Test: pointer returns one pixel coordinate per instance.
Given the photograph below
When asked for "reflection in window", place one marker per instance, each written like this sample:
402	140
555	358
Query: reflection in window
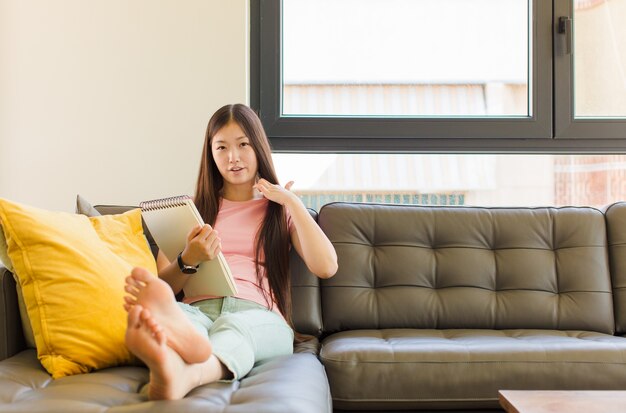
406	57
600	58
483	180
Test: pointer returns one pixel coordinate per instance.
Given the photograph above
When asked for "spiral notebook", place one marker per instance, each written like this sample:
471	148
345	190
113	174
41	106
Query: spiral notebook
169	221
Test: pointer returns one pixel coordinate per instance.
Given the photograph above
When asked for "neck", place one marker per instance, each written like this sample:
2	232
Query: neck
239	193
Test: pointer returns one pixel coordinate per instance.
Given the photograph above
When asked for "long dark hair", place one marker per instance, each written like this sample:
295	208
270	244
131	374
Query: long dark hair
272	241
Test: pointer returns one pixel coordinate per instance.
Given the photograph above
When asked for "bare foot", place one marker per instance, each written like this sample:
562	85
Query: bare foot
170	377
156	295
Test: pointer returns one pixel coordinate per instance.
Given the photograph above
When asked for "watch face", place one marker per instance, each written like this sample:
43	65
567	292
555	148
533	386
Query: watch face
185	269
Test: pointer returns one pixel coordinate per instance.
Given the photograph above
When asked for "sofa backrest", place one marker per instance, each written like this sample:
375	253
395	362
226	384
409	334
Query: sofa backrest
465	267
11	338
616	234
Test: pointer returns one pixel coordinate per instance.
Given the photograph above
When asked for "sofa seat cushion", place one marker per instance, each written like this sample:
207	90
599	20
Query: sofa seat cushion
411	368
287	384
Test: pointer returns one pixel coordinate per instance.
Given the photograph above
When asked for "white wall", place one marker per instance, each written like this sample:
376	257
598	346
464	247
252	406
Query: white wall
110	98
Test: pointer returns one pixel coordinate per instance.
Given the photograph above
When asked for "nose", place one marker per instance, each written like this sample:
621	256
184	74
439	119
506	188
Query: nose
233	156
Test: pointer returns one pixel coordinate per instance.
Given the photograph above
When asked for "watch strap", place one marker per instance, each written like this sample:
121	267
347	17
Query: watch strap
184	268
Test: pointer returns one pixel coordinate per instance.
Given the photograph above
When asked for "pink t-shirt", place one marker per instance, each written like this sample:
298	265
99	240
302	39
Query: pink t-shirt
237	224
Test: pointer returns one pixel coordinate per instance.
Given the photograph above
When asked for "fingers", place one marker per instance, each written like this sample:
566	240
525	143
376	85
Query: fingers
215	247
264	185
204	246
202	235
207	232
264	188
211	245
258	186
194	232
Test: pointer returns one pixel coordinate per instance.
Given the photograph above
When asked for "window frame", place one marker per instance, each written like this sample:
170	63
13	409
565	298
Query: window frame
422	135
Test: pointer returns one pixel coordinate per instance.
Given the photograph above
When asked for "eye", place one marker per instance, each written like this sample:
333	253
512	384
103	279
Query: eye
220	148
243	144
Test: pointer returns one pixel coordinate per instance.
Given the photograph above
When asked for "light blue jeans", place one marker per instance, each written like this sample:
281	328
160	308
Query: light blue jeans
242	332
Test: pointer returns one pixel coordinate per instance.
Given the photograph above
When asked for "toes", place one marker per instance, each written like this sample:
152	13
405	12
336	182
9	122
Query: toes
156	330
135	283
160	337
129	303
134	319
153	326
146	314
149	322
131	290
141	275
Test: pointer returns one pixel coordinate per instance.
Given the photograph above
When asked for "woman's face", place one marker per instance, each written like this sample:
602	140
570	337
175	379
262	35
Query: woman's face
234	156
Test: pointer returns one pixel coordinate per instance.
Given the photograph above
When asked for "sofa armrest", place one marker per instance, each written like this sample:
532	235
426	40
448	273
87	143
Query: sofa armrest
11	335
305	295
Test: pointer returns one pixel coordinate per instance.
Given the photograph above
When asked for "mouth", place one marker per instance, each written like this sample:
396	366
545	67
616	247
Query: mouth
236	169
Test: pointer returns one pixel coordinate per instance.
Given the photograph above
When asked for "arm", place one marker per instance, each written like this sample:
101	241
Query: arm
307	237
169	272
203	244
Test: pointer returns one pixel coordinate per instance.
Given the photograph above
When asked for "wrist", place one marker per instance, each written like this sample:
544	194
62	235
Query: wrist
293	201
187	260
184	267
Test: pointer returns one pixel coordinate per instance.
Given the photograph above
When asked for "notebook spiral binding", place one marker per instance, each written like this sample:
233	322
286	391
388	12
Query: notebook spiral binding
164	203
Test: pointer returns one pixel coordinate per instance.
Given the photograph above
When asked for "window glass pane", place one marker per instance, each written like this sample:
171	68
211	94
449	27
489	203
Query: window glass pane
600	58
484	180
415	58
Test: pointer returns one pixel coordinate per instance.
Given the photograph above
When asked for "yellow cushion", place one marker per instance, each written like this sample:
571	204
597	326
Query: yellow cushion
71	270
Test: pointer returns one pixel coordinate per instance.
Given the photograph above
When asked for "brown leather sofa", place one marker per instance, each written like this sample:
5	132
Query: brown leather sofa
433	308
297	383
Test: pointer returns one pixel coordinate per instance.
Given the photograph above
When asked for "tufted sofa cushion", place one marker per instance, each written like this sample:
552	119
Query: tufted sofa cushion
421	369
290	384
463	267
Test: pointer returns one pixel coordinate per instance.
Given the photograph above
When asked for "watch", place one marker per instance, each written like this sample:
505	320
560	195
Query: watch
184	268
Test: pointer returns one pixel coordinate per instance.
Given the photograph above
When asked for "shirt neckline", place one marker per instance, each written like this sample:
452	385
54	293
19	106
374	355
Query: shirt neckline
243	202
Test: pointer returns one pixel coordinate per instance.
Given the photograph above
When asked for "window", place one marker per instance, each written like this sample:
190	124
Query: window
456	179
334	66
445	102
435	76
413	69
590	67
